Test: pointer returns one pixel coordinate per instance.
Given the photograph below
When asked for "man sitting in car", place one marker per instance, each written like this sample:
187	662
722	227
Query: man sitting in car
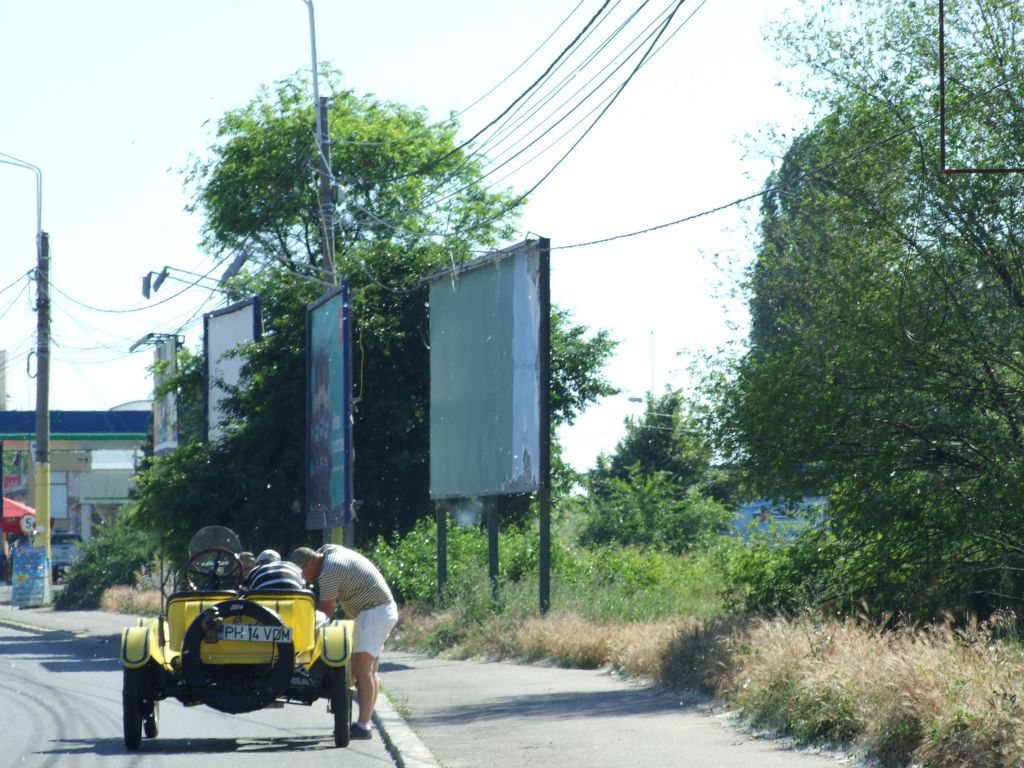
271	573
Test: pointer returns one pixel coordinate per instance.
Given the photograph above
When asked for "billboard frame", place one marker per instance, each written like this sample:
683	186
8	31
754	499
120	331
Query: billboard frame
257	327
338	515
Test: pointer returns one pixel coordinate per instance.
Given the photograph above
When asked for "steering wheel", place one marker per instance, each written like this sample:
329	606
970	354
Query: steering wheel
214	568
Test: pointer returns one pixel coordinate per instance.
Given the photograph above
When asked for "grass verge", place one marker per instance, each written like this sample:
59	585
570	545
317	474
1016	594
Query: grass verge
935	696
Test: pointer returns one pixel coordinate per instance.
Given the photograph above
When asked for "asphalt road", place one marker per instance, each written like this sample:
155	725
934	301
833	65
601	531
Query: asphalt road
60	705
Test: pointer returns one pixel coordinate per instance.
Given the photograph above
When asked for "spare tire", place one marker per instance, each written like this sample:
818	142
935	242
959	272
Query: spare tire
242	688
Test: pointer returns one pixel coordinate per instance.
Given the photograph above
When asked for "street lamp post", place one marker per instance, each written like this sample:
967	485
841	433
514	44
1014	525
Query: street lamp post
42	458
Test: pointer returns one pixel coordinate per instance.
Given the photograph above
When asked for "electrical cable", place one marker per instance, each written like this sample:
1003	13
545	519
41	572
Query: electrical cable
776	187
455	116
493	142
141	307
434	163
653	49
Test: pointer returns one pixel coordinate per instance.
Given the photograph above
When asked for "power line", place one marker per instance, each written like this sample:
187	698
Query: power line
520	97
455	116
783	185
662	22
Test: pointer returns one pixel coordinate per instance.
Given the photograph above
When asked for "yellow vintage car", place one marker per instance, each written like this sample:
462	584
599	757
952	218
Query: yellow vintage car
237	652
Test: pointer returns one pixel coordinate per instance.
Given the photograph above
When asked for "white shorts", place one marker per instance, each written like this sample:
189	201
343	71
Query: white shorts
373	627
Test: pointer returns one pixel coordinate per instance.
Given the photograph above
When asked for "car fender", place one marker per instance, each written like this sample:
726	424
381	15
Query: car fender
136	646
337	647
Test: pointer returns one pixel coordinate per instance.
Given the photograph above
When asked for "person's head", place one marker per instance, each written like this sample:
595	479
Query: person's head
267	556
309	561
248	561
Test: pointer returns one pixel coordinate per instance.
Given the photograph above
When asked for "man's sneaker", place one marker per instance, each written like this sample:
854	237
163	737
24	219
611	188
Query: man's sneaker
357	731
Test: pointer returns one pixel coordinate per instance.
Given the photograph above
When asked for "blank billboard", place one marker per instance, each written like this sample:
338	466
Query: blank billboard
485	418
223	331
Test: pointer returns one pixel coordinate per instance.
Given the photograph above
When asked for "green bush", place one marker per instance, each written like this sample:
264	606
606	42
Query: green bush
409	563
771	576
651	510
603	583
114	556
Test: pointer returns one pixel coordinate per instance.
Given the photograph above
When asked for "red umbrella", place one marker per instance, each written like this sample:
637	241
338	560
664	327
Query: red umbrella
17	518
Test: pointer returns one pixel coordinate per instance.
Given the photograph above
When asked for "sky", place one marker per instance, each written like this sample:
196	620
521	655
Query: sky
110	99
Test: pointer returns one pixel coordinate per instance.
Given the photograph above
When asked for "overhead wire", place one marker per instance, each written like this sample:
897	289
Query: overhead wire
853	154
468	159
633	48
436	161
456	115
549	124
509	124
14	300
603	105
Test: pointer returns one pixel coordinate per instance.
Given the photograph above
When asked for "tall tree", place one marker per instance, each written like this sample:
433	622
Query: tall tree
411	203
887	306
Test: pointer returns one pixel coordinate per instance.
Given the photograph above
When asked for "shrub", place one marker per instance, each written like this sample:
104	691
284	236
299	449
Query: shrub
115	556
651	511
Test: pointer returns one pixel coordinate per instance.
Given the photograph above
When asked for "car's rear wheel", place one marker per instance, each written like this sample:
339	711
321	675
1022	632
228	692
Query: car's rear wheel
341	706
131	704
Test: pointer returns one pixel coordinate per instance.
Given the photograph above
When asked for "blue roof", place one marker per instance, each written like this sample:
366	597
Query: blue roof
19	424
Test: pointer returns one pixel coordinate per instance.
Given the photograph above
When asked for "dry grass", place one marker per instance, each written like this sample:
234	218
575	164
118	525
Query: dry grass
935	696
130	600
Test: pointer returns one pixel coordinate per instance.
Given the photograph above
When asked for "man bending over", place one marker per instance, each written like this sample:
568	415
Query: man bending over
347	578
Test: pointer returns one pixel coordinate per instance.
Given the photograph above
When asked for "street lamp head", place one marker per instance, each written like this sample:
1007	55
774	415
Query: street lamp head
149	285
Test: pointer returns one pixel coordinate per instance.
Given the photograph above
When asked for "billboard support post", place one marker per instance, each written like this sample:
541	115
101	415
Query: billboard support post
544	408
441	512
491	505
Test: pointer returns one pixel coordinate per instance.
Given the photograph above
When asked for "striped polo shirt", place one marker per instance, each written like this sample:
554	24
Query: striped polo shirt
278	575
352	579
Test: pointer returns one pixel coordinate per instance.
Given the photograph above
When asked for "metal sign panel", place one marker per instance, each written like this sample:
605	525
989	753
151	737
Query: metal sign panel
485	418
328	412
223	331
165	409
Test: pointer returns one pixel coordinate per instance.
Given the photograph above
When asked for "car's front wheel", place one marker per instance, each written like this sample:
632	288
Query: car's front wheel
131	704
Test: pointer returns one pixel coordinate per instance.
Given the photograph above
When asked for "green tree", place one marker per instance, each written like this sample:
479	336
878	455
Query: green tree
664	439
657	489
412	203
651	510
887	305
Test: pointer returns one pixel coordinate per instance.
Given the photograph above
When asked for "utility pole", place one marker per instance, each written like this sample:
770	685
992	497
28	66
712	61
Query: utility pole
42	459
326	194
327	200
323	151
42	468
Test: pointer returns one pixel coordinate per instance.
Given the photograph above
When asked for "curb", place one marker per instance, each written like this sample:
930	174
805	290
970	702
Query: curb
401	742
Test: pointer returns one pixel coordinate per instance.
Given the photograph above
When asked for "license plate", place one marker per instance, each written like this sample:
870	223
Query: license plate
255	633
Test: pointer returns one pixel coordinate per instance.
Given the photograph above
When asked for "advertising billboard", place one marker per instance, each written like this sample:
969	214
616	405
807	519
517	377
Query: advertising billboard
165	409
328	412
